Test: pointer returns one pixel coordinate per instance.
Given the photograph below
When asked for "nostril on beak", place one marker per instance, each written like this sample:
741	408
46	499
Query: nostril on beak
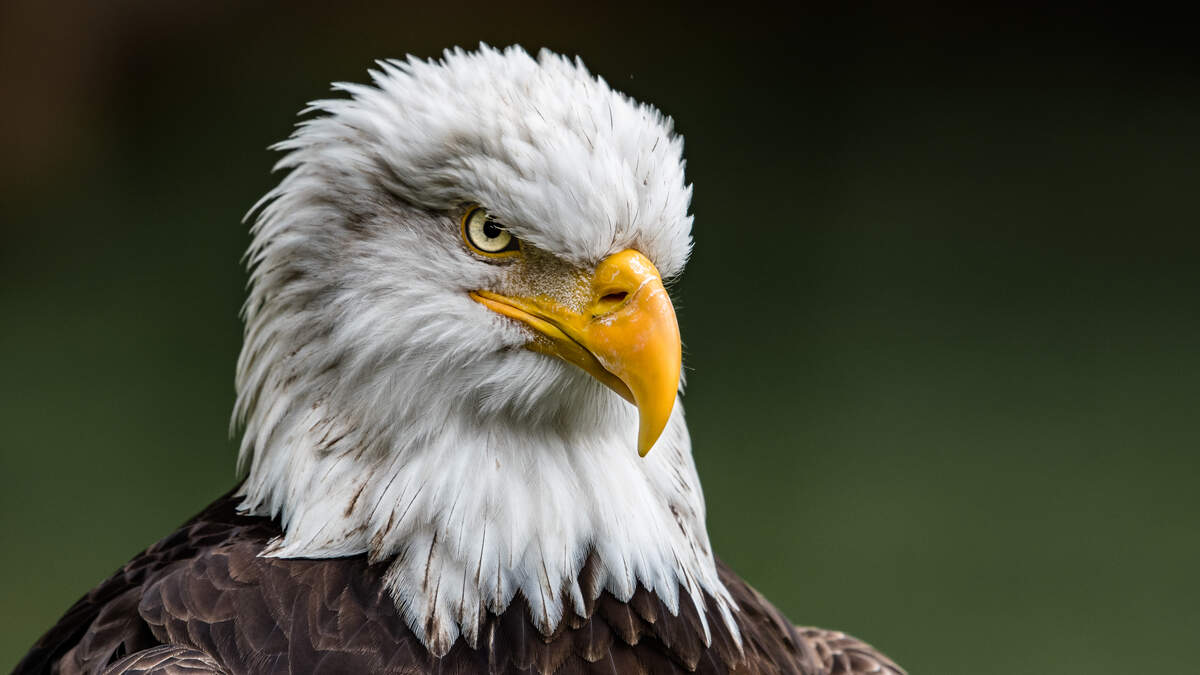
609	302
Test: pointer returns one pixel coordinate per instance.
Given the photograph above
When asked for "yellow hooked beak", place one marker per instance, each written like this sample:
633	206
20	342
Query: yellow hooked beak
625	335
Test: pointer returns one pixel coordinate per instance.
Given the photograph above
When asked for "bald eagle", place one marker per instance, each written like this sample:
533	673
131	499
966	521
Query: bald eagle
463	446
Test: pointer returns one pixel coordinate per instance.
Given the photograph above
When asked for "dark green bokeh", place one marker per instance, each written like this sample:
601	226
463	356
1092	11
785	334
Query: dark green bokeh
941	322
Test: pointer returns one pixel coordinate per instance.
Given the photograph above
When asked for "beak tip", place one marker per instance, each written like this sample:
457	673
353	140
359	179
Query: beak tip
649	431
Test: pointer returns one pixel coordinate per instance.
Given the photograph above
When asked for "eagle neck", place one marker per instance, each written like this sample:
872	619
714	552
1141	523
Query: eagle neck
470	515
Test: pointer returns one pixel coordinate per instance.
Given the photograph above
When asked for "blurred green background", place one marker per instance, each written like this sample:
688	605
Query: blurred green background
941	323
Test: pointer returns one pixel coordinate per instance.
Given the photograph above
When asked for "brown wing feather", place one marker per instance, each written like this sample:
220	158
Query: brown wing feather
166	660
103	625
204	595
841	654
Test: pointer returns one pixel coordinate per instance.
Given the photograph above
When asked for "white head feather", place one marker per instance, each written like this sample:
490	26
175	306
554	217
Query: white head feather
386	412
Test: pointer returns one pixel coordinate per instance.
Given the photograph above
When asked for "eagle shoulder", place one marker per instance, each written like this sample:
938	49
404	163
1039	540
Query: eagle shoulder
103	626
770	638
204	600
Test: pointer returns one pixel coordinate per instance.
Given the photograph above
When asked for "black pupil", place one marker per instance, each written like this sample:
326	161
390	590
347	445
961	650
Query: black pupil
491	230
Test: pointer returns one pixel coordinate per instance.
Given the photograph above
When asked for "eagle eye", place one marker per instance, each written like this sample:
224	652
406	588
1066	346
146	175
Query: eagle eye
487	237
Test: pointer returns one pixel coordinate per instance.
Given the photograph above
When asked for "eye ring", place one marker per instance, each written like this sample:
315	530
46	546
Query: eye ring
485	236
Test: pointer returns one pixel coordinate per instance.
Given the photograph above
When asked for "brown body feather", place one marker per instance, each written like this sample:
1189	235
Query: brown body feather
203	601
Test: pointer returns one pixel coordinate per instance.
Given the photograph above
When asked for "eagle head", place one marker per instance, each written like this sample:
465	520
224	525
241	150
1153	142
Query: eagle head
459	344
